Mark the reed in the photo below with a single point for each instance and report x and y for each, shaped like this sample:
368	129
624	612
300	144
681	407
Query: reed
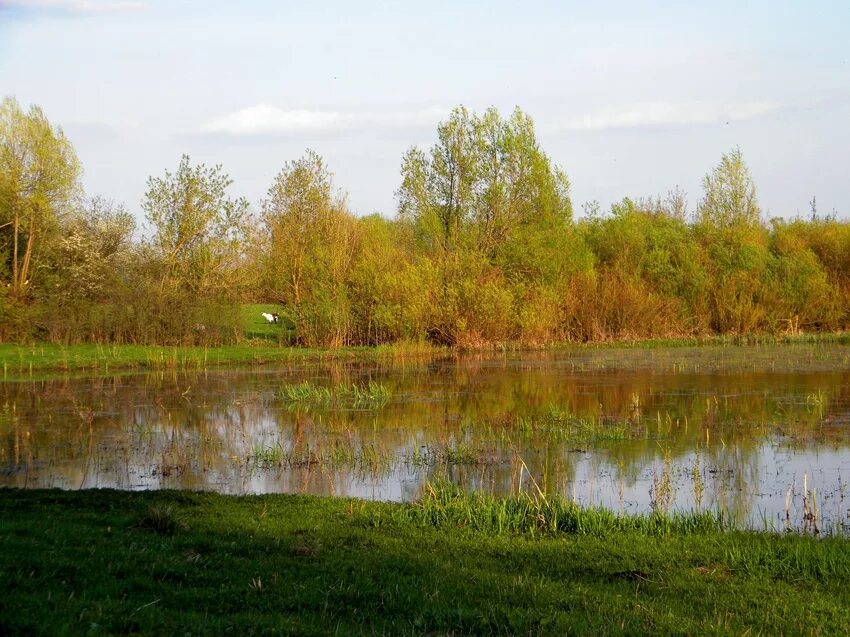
306	393
371	395
445	505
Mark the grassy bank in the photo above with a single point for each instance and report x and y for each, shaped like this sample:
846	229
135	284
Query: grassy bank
18	359
21	359
106	562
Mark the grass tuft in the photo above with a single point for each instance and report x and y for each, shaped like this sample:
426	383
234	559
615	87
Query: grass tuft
372	395
163	519
446	505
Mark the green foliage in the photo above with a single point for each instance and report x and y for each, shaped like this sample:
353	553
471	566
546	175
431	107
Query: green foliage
483	252
485	181
390	286
39	173
196	227
308	243
729	194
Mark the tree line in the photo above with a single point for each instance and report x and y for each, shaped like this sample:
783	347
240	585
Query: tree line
484	249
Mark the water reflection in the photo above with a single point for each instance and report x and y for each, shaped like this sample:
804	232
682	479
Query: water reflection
729	428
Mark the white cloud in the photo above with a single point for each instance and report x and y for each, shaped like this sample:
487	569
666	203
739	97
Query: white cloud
265	119
73	6
656	114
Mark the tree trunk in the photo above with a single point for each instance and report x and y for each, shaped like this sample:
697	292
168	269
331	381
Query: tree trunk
15	290
25	266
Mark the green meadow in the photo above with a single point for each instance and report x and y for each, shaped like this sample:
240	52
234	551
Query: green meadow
187	563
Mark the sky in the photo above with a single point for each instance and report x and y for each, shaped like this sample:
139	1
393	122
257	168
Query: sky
629	98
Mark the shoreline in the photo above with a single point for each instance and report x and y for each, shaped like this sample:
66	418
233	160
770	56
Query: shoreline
22	358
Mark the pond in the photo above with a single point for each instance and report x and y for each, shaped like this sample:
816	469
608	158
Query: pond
761	433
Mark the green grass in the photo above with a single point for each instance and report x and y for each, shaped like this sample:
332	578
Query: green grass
267	343
814	338
561	424
256	327
167	563
365	459
18	360
371	395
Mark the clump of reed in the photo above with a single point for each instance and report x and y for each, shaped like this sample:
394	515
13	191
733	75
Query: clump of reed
558	424
663	488
162	519
266	456
337	454
446	505
371	395
306	393
460	453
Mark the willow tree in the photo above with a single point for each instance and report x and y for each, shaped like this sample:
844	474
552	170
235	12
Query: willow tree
729	194
736	244
492	211
39	179
484	180
309	244
197	227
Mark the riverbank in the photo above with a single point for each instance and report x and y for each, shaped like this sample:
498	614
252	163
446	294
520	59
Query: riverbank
22	359
110	562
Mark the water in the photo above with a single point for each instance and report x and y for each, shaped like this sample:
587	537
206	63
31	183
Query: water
678	429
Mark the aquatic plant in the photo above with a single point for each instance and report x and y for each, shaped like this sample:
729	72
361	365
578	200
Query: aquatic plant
306	393
267	456
372	395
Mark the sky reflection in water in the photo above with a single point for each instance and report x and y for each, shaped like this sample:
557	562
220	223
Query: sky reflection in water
730	428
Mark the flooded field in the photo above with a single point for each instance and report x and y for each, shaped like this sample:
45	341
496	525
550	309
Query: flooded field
760	433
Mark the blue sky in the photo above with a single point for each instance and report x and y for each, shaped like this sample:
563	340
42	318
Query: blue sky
630	98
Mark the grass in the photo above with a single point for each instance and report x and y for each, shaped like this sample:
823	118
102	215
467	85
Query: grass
86	563
306	393
268	343
564	425
256	327
371	395
366	459
17	360
814	338
445	504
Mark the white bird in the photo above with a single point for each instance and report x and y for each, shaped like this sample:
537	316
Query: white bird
268	317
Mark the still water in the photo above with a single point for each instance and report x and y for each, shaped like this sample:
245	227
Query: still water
739	429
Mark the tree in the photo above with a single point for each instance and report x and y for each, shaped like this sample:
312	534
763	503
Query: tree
491	211
39	178
310	240
197	226
483	180
437	189
730	194
92	252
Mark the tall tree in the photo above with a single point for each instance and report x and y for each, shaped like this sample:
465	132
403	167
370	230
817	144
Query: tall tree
481	183
438	189
729	194
310	239
197	227
39	178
